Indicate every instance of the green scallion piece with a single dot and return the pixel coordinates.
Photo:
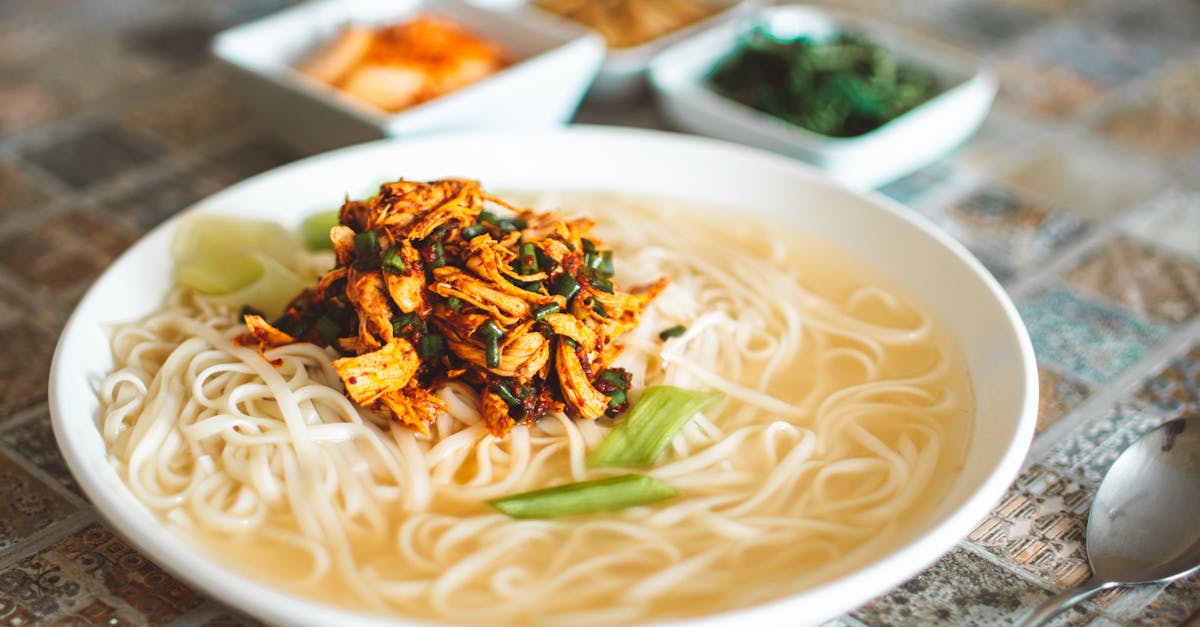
(394, 262)
(314, 230)
(475, 230)
(671, 332)
(329, 329)
(586, 497)
(486, 217)
(431, 346)
(527, 263)
(506, 394)
(366, 247)
(401, 323)
(605, 267)
(566, 286)
(439, 255)
(491, 333)
(454, 303)
(508, 225)
(545, 310)
(651, 424)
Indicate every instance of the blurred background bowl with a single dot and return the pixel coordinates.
(556, 62)
(679, 76)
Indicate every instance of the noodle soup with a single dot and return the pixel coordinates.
(847, 414)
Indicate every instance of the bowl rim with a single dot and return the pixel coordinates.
(134, 522)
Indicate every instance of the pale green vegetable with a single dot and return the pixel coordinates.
(651, 425)
(586, 497)
(314, 230)
(238, 261)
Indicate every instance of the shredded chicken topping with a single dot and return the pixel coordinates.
(442, 281)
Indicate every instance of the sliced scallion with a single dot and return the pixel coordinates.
(586, 497)
(648, 429)
(394, 262)
(491, 334)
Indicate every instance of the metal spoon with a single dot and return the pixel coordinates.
(1144, 525)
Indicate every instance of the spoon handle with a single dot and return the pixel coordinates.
(1043, 613)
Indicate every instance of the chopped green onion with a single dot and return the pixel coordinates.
(486, 217)
(475, 230)
(401, 323)
(566, 286)
(508, 225)
(328, 329)
(314, 230)
(588, 245)
(586, 497)
(439, 255)
(527, 262)
(366, 247)
(651, 425)
(671, 332)
(431, 346)
(599, 309)
(491, 333)
(506, 394)
(454, 303)
(605, 267)
(394, 262)
(545, 310)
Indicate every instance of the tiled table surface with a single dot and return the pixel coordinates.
(1081, 193)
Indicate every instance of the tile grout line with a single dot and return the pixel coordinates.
(46, 538)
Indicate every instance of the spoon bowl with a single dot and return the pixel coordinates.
(1144, 525)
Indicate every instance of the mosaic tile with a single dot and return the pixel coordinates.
(26, 504)
(34, 441)
(1084, 338)
(1170, 222)
(1087, 179)
(1057, 395)
(1039, 526)
(28, 102)
(1178, 604)
(985, 25)
(64, 250)
(1140, 279)
(195, 112)
(1175, 388)
(1164, 120)
(1002, 134)
(180, 41)
(89, 66)
(1089, 451)
(911, 188)
(1162, 23)
(18, 193)
(1098, 55)
(24, 365)
(960, 589)
(153, 201)
(1010, 231)
(257, 155)
(97, 153)
(93, 564)
(1050, 91)
(96, 614)
(231, 619)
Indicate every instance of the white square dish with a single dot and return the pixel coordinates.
(556, 63)
(679, 77)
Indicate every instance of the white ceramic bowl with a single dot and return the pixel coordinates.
(678, 76)
(557, 62)
(917, 256)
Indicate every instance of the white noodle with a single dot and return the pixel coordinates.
(830, 438)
